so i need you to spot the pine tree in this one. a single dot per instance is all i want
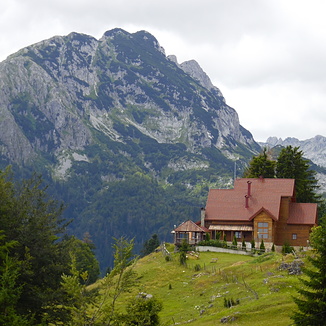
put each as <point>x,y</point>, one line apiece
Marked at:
<point>312,302</point>
<point>262,246</point>
<point>261,165</point>
<point>291,164</point>
<point>235,242</point>
<point>33,221</point>
<point>150,245</point>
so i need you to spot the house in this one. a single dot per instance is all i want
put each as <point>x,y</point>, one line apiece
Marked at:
<point>259,209</point>
<point>190,232</point>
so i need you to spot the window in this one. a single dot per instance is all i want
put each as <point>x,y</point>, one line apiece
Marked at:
<point>237,234</point>
<point>262,230</point>
<point>294,236</point>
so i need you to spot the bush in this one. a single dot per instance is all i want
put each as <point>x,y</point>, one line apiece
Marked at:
<point>253,245</point>
<point>228,303</point>
<point>234,243</point>
<point>262,246</point>
<point>197,267</point>
<point>273,248</point>
<point>168,258</point>
<point>287,249</point>
<point>213,243</point>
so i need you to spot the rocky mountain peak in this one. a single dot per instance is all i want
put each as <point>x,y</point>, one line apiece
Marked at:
<point>193,68</point>
<point>59,92</point>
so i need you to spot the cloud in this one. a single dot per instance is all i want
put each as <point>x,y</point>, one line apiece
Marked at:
<point>266,56</point>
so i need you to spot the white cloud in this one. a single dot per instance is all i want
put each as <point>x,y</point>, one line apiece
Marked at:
<point>266,56</point>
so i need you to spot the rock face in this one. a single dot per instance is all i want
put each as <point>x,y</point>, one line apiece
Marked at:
<point>129,139</point>
<point>313,149</point>
<point>57,94</point>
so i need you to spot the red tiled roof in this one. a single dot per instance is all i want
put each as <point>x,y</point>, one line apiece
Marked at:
<point>190,226</point>
<point>302,213</point>
<point>230,204</point>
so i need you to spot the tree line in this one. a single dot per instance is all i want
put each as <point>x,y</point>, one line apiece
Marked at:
<point>289,164</point>
<point>45,273</point>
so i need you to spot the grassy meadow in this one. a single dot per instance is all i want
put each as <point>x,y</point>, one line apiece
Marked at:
<point>195,294</point>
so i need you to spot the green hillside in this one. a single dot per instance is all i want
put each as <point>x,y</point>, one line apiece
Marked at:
<point>195,294</point>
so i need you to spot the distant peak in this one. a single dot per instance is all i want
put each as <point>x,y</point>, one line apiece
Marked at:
<point>148,37</point>
<point>192,68</point>
<point>111,33</point>
<point>173,58</point>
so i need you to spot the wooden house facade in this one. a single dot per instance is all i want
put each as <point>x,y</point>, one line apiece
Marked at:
<point>259,209</point>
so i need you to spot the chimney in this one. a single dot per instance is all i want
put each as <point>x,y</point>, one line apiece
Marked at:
<point>247,201</point>
<point>202,216</point>
<point>249,188</point>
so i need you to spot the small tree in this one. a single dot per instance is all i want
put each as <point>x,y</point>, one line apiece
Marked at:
<point>224,241</point>
<point>287,249</point>
<point>312,302</point>
<point>273,248</point>
<point>184,248</point>
<point>243,245</point>
<point>262,246</point>
<point>253,245</point>
<point>150,245</point>
<point>235,242</point>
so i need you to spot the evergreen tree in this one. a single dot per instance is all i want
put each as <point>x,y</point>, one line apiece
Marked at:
<point>261,165</point>
<point>150,245</point>
<point>312,302</point>
<point>273,248</point>
<point>184,248</point>
<point>253,244</point>
<point>291,164</point>
<point>243,246</point>
<point>234,242</point>
<point>262,246</point>
<point>33,221</point>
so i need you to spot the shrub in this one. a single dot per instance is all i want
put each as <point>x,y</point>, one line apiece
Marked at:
<point>262,246</point>
<point>287,249</point>
<point>168,258</point>
<point>253,245</point>
<point>243,246</point>
<point>273,248</point>
<point>197,267</point>
<point>228,303</point>
<point>234,243</point>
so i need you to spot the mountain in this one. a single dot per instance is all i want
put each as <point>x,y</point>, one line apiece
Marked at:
<point>127,137</point>
<point>314,149</point>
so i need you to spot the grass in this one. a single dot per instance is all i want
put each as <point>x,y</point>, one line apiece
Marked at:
<point>195,294</point>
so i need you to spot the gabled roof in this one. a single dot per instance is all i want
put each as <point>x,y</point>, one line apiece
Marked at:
<point>303,213</point>
<point>190,226</point>
<point>230,204</point>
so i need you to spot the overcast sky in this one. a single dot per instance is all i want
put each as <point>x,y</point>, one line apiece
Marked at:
<point>268,57</point>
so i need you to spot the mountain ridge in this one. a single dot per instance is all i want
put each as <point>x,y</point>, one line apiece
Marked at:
<point>130,140</point>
